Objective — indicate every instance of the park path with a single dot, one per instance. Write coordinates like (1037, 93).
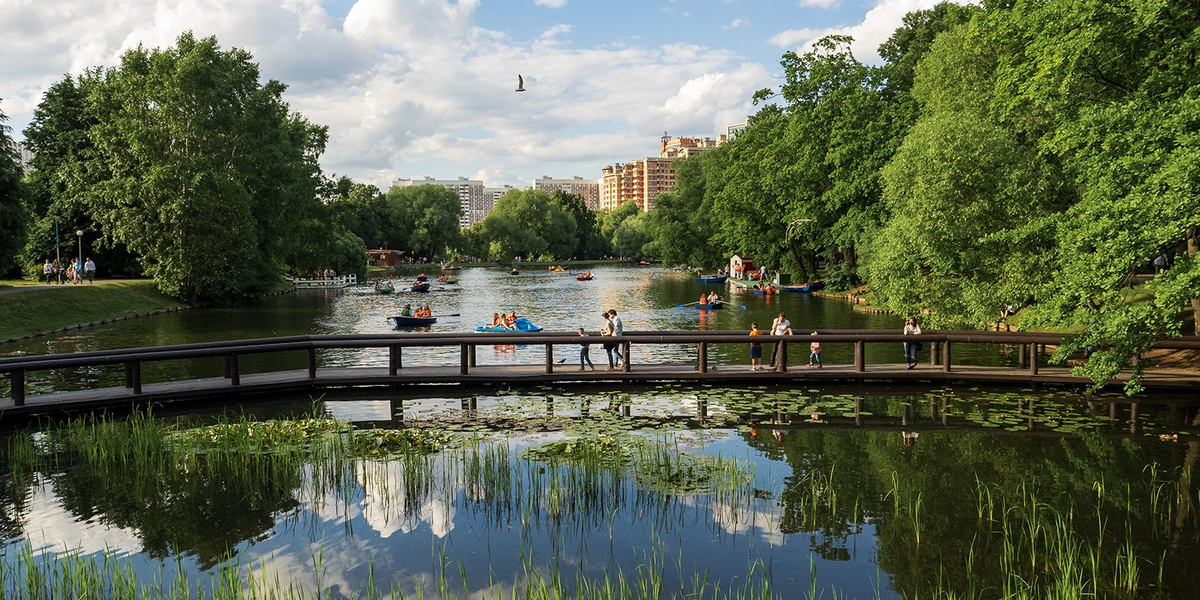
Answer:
(22, 288)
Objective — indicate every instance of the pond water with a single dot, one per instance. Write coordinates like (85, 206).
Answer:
(899, 493)
(647, 298)
(689, 491)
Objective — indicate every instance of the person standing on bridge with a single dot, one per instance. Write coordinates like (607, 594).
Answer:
(607, 331)
(618, 330)
(755, 349)
(583, 352)
(910, 348)
(780, 326)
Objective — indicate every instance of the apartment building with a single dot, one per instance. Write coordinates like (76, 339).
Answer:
(491, 195)
(643, 180)
(589, 189)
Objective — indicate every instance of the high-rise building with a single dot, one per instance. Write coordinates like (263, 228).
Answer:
(470, 194)
(491, 195)
(589, 189)
(734, 130)
(643, 180)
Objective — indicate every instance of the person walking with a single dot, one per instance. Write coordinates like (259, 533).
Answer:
(89, 270)
(755, 349)
(780, 326)
(607, 331)
(910, 348)
(584, 356)
(618, 330)
(814, 353)
(48, 271)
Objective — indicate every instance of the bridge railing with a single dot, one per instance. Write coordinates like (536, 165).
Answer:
(324, 282)
(1030, 347)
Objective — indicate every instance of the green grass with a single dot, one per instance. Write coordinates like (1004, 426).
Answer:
(30, 312)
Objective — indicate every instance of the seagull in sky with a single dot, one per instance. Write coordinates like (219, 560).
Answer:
(520, 83)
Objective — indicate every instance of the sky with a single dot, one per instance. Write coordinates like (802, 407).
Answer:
(415, 88)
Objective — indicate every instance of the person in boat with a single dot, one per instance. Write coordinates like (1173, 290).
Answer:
(589, 274)
(428, 311)
(510, 321)
(703, 299)
(407, 312)
(497, 320)
(713, 298)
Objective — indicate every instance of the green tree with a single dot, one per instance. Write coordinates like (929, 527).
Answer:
(12, 207)
(587, 233)
(205, 168)
(423, 219)
(680, 228)
(527, 223)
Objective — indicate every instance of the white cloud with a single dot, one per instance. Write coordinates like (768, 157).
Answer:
(551, 3)
(876, 27)
(412, 86)
(734, 24)
(820, 3)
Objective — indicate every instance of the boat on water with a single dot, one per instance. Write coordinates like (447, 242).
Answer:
(451, 280)
(712, 306)
(421, 287)
(401, 321)
(712, 278)
(811, 286)
(451, 268)
(557, 269)
(422, 277)
(585, 277)
(769, 291)
(514, 272)
(522, 324)
(385, 287)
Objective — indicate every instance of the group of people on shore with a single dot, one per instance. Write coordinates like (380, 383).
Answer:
(75, 272)
(613, 326)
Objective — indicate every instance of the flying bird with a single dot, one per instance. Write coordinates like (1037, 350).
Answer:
(520, 83)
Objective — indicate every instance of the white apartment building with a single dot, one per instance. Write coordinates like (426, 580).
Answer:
(589, 189)
(491, 195)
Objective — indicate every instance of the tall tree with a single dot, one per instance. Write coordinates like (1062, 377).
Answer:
(585, 224)
(12, 207)
(423, 219)
(208, 167)
(527, 223)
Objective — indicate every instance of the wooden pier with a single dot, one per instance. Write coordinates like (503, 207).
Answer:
(466, 371)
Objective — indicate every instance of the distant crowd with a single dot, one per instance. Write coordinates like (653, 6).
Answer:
(75, 272)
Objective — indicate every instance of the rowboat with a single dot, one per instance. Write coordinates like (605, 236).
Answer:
(515, 272)
(451, 280)
(385, 288)
(811, 286)
(422, 277)
(413, 321)
(523, 326)
(712, 278)
(713, 306)
(420, 287)
(760, 292)
(582, 277)
(451, 268)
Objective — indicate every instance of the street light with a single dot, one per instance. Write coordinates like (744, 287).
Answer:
(79, 259)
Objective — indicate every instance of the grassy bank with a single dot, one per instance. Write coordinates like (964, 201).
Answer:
(29, 312)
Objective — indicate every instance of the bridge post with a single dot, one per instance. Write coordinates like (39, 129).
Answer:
(702, 356)
(312, 363)
(133, 376)
(393, 360)
(471, 356)
(549, 358)
(464, 359)
(17, 379)
(625, 354)
(1034, 355)
(935, 354)
(783, 360)
(946, 356)
(231, 366)
(860, 356)
(1020, 356)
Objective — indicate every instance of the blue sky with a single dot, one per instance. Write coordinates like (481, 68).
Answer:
(410, 88)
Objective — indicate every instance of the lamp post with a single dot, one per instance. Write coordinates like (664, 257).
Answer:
(79, 259)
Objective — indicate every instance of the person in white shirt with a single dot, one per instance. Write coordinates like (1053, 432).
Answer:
(618, 329)
(89, 270)
(910, 348)
(780, 326)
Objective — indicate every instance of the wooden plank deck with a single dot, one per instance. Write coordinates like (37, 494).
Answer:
(342, 377)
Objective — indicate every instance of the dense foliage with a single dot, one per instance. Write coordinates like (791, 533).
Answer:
(12, 205)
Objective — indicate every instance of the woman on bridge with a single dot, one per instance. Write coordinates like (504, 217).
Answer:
(910, 348)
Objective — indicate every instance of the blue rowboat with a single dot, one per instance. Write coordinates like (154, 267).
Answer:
(811, 286)
(523, 326)
(413, 321)
(422, 277)
(713, 306)
(420, 287)
(712, 278)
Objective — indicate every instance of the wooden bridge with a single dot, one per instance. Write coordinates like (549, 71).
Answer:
(1031, 369)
